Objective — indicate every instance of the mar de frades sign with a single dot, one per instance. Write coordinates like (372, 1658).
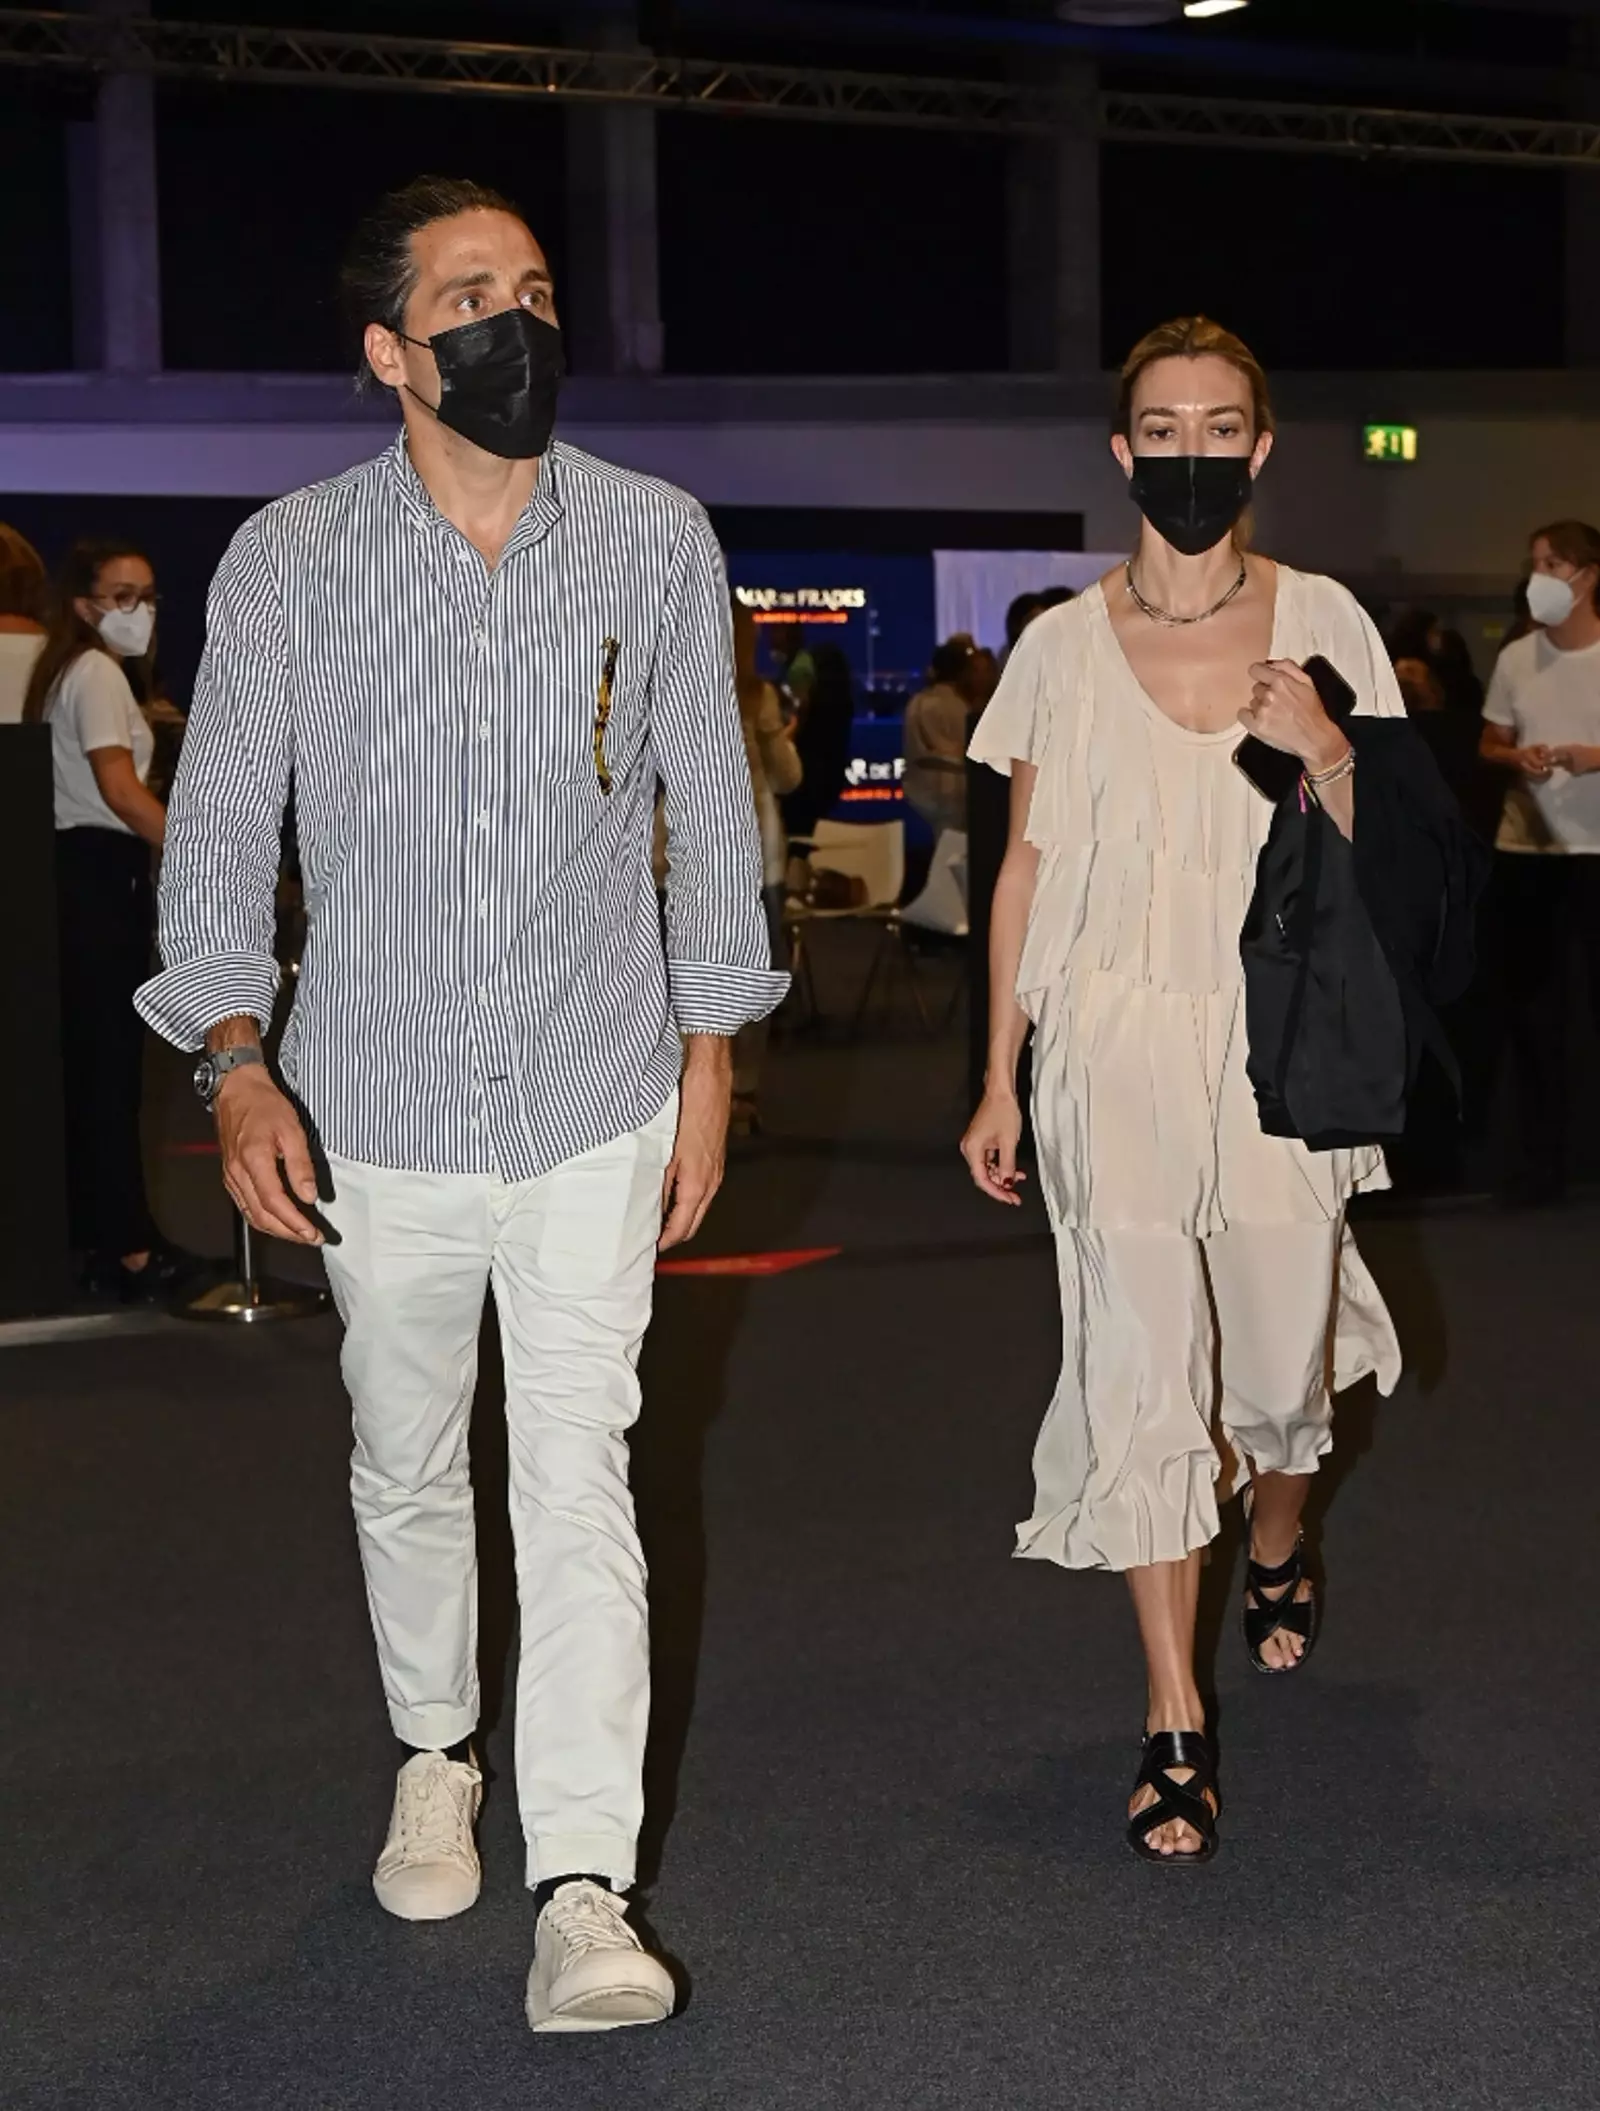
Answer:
(802, 600)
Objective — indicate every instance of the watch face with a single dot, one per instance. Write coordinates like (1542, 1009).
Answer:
(205, 1077)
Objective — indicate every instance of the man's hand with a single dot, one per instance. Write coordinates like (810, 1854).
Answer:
(1581, 760)
(265, 1158)
(1536, 762)
(1286, 712)
(698, 1155)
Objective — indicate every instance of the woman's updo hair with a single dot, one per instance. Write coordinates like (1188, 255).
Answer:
(1192, 337)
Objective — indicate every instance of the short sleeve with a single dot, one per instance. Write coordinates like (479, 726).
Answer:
(1500, 705)
(1016, 718)
(97, 702)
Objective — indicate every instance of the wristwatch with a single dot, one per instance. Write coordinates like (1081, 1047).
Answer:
(213, 1068)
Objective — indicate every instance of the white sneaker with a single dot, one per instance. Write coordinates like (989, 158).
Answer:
(429, 1865)
(590, 1971)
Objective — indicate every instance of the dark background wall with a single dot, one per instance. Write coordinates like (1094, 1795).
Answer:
(1330, 264)
(801, 248)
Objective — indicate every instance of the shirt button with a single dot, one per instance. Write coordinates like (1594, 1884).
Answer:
(483, 993)
(483, 818)
(483, 729)
(483, 906)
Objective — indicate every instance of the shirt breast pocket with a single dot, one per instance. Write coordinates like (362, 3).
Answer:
(594, 737)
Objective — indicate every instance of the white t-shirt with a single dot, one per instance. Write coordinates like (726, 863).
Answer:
(1549, 698)
(18, 651)
(93, 707)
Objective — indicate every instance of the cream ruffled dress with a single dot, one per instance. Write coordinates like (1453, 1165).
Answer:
(1148, 837)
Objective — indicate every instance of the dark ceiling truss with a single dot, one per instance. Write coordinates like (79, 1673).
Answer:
(49, 40)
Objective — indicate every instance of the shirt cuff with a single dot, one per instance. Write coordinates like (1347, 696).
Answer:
(185, 1001)
(709, 997)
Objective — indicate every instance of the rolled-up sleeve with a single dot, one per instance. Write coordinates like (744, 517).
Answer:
(719, 952)
(219, 869)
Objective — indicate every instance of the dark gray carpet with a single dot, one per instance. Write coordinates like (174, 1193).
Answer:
(889, 1763)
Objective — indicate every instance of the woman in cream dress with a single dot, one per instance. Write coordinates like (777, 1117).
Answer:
(1211, 1293)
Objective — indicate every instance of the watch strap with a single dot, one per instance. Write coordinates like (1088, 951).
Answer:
(221, 1060)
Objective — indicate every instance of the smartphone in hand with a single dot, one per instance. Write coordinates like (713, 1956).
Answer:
(1273, 771)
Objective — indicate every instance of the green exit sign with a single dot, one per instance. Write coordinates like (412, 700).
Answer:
(1389, 443)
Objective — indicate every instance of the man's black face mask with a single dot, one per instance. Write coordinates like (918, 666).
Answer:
(499, 377)
(1191, 500)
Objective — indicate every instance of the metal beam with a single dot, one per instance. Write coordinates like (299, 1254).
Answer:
(311, 58)
(1369, 135)
(233, 53)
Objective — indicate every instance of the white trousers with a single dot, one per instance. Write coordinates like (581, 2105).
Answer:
(571, 1257)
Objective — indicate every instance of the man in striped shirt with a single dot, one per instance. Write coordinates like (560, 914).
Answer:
(476, 656)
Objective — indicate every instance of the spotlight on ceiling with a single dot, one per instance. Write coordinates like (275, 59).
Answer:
(1199, 10)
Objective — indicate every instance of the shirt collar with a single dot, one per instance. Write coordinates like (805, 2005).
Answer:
(539, 516)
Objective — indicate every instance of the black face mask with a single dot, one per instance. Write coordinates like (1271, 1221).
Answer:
(1191, 500)
(499, 378)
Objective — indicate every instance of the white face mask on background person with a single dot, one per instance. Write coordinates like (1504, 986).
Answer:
(127, 631)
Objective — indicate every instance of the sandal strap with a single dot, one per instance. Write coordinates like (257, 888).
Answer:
(1294, 1616)
(1189, 1750)
(1259, 1577)
(1264, 1617)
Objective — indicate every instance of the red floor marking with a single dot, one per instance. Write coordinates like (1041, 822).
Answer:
(750, 1263)
(192, 1150)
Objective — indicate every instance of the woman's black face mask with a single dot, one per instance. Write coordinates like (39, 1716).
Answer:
(499, 377)
(1191, 500)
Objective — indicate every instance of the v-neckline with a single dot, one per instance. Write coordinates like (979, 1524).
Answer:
(1225, 734)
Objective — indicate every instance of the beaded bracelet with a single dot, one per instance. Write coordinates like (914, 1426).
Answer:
(1344, 767)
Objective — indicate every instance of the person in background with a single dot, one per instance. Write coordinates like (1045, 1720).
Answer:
(938, 727)
(1019, 615)
(823, 732)
(22, 606)
(1025, 607)
(985, 675)
(1542, 729)
(795, 664)
(107, 825)
(775, 768)
(1444, 699)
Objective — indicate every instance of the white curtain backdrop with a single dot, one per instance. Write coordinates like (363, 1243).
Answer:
(972, 589)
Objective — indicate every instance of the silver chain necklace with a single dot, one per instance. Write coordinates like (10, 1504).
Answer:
(1162, 615)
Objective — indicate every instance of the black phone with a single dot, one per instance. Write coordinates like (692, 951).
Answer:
(1273, 771)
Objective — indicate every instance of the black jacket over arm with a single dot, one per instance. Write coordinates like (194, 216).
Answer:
(1349, 946)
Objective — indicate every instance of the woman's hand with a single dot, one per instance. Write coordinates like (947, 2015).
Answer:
(990, 1147)
(1286, 712)
(1581, 761)
(1535, 762)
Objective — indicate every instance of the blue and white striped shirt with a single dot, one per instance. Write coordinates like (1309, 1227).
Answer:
(483, 987)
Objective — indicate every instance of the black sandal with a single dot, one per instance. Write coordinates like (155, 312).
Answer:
(1165, 1750)
(1264, 1617)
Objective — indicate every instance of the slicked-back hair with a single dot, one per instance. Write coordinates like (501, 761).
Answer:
(380, 266)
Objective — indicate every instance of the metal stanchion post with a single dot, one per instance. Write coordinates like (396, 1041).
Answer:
(251, 1299)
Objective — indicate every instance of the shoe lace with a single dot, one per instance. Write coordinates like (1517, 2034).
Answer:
(430, 1816)
(586, 1918)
